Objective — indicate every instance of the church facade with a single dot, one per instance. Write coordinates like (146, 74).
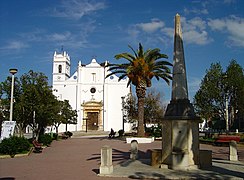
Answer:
(97, 100)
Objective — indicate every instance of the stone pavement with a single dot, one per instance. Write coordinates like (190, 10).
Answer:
(79, 158)
(141, 169)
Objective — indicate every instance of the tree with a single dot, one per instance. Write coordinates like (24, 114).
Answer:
(37, 100)
(35, 105)
(64, 114)
(142, 66)
(209, 100)
(234, 81)
(218, 89)
(153, 108)
(131, 108)
(68, 115)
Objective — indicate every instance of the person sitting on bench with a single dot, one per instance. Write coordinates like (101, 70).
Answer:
(112, 133)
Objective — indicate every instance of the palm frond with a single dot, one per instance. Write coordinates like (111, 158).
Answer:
(118, 66)
(136, 55)
(140, 51)
(116, 72)
(126, 56)
(122, 76)
(165, 63)
(128, 83)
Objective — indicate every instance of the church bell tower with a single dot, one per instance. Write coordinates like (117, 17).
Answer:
(61, 66)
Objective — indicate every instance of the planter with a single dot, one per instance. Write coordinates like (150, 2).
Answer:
(140, 140)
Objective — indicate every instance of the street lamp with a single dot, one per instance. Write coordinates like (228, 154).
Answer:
(123, 114)
(227, 113)
(12, 71)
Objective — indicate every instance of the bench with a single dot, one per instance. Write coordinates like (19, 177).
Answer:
(64, 136)
(226, 139)
(37, 146)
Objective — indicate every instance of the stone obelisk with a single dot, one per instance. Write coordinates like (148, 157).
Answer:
(180, 144)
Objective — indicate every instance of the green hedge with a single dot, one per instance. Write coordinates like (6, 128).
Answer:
(14, 145)
(45, 139)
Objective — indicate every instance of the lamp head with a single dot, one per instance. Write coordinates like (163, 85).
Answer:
(13, 71)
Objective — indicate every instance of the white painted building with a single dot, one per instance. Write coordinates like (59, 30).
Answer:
(98, 101)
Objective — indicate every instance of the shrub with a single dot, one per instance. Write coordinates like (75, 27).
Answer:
(121, 132)
(45, 139)
(55, 136)
(14, 145)
(154, 131)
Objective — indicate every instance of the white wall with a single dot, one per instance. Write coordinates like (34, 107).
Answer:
(77, 91)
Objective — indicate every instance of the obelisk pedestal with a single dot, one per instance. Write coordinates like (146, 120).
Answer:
(180, 138)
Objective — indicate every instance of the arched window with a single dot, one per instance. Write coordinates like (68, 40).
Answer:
(59, 68)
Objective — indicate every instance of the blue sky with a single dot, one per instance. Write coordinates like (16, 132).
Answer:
(31, 30)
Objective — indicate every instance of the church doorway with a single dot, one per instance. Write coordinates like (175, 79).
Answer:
(92, 115)
(92, 120)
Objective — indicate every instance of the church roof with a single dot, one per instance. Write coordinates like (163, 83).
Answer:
(93, 64)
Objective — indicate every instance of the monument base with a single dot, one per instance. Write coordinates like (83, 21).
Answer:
(179, 161)
(180, 144)
(106, 170)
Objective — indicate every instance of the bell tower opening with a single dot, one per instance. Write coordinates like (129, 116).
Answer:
(59, 68)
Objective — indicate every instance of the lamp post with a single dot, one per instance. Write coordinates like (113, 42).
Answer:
(123, 115)
(227, 113)
(12, 71)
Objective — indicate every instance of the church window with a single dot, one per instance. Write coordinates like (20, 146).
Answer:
(94, 77)
(93, 90)
(59, 68)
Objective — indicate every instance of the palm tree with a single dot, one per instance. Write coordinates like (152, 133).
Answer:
(140, 70)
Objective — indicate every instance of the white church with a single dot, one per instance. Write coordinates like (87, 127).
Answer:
(97, 100)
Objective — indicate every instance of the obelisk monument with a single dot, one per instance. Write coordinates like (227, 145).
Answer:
(180, 143)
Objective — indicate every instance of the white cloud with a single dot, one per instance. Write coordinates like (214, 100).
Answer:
(217, 24)
(151, 27)
(196, 23)
(14, 45)
(75, 39)
(196, 11)
(194, 31)
(195, 37)
(76, 8)
(232, 26)
(59, 37)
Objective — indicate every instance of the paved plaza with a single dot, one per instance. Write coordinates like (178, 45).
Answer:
(79, 158)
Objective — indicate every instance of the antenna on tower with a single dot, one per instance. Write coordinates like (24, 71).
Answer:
(62, 48)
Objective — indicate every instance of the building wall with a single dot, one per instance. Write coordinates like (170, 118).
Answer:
(77, 89)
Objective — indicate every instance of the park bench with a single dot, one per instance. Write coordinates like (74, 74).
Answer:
(226, 139)
(64, 136)
(37, 146)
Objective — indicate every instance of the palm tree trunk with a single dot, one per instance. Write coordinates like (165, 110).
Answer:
(141, 93)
